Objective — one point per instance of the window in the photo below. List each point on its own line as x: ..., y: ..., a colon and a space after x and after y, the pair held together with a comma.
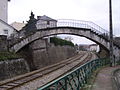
x: 48, y: 22
x: 5, y: 31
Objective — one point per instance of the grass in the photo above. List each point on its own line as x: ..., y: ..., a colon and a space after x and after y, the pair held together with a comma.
x: 8, y: 56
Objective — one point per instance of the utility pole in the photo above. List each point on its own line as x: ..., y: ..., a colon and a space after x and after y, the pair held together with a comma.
x: 111, y: 34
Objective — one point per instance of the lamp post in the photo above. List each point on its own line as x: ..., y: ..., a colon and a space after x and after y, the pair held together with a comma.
x: 111, y: 34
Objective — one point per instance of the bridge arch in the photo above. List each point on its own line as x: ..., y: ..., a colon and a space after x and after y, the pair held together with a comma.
x: 84, y: 32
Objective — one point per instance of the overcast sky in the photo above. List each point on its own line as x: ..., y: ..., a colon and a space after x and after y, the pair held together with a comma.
x: 89, y: 10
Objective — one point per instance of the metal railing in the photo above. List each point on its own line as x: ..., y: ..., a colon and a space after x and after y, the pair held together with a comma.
x: 82, y: 24
x: 88, y: 25
x: 77, y: 78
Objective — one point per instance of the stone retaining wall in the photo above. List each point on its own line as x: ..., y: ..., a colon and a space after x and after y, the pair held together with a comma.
x: 52, y: 55
x: 12, y: 68
x: 40, y: 53
x: 3, y: 43
x: 44, y: 53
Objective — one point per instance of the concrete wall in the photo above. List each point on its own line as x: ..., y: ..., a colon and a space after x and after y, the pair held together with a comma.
x: 44, y: 54
x: 39, y: 54
x: 52, y: 55
x: 12, y: 68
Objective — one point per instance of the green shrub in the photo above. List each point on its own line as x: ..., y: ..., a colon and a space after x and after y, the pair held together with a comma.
x: 59, y: 41
x: 8, y: 56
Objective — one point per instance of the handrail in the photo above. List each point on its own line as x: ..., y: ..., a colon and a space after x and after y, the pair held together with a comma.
x: 77, y: 78
x: 82, y: 24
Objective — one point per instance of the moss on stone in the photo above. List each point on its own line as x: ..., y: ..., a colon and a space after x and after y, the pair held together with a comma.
x: 8, y: 56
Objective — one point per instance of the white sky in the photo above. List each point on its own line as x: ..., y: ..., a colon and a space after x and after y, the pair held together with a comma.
x: 88, y: 10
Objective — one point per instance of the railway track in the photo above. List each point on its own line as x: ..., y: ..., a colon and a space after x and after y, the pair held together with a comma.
x: 89, y: 56
x: 29, y: 77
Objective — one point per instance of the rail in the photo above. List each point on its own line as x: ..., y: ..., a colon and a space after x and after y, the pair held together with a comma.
x: 82, y: 24
x: 77, y: 78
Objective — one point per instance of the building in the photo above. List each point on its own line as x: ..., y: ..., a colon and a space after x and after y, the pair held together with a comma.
x: 45, y: 22
x: 17, y: 25
x: 6, y: 29
x: 34, y: 24
x: 94, y: 47
x: 4, y: 10
x: 84, y: 47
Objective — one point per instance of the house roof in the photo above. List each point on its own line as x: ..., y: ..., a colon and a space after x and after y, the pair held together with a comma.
x: 7, y: 24
x: 18, y: 25
x: 44, y: 17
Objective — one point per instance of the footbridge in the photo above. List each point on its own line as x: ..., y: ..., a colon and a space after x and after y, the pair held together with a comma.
x: 85, y: 29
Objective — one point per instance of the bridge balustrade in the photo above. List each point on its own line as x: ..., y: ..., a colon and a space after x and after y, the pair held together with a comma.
x: 82, y: 24
x: 77, y: 78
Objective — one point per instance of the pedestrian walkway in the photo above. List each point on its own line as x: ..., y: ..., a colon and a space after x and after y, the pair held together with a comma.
x: 104, y: 79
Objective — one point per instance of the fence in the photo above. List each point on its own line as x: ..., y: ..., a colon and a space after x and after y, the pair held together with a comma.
x: 77, y: 78
x: 82, y: 24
